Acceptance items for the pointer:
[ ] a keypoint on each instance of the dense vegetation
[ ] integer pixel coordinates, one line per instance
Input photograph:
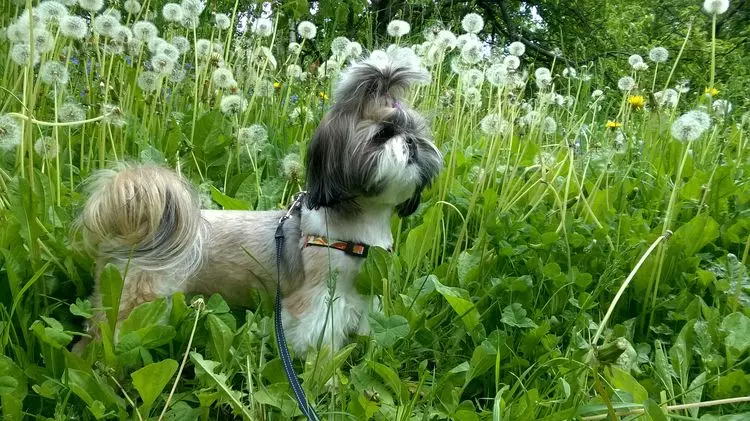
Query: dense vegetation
(583, 255)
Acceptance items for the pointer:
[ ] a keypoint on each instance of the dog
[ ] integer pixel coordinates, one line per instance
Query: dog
(370, 157)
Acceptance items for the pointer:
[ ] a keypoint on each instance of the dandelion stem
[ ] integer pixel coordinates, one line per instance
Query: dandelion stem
(54, 124)
(713, 52)
(679, 54)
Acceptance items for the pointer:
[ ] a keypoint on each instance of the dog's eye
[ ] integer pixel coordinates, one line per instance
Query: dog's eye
(384, 134)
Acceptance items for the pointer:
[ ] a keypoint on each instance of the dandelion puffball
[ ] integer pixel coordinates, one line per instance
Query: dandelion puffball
(516, 48)
(626, 83)
(690, 126)
(472, 23)
(658, 54)
(307, 29)
(398, 28)
(715, 6)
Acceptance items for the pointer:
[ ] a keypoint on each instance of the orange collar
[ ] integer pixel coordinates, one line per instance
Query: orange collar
(349, 247)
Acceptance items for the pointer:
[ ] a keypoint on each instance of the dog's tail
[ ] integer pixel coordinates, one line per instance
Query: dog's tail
(378, 80)
(143, 216)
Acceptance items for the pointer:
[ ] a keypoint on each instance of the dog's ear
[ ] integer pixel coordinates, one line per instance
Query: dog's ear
(410, 206)
(327, 179)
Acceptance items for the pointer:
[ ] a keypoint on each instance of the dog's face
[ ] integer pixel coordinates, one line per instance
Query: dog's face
(371, 147)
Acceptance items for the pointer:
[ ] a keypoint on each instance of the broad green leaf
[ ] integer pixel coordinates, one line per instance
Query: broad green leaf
(205, 368)
(468, 267)
(145, 315)
(662, 368)
(390, 377)
(13, 389)
(54, 335)
(82, 308)
(110, 283)
(226, 202)
(374, 270)
(737, 326)
(459, 300)
(221, 338)
(388, 330)
(150, 380)
(654, 410)
(515, 315)
(695, 234)
(695, 393)
(623, 380)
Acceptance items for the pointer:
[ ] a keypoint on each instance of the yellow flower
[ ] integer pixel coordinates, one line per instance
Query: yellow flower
(323, 95)
(613, 124)
(712, 91)
(636, 101)
(276, 85)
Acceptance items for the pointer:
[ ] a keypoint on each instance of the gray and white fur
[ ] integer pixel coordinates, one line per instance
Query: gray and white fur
(370, 156)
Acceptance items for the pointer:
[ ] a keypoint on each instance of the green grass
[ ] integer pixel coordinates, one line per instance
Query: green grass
(499, 299)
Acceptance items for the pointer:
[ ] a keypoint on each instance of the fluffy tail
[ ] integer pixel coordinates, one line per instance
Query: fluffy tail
(378, 81)
(144, 216)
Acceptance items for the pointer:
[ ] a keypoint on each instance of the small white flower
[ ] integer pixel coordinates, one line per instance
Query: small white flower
(512, 62)
(53, 73)
(145, 31)
(473, 77)
(131, 7)
(46, 147)
(398, 28)
(715, 6)
(690, 126)
(292, 167)
(91, 5)
(10, 132)
(253, 137)
(722, 107)
(472, 23)
(516, 48)
(73, 27)
(233, 104)
(658, 54)
(172, 12)
(626, 83)
(148, 81)
(222, 21)
(635, 59)
(70, 112)
(263, 27)
(493, 124)
(223, 78)
(472, 52)
(307, 29)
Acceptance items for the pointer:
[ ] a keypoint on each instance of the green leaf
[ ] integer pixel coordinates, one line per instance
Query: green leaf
(82, 308)
(110, 283)
(13, 389)
(654, 410)
(623, 380)
(205, 369)
(663, 370)
(150, 380)
(388, 330)
(377, 267)
(54, 335)
(737, 325)
(145, 315)
(459, 300)
(696, 234)
(221, 338)
(226, 202)
(515, 315)
(695, 393)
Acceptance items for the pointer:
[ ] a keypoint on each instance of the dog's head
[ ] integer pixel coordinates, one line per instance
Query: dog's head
(371, 145)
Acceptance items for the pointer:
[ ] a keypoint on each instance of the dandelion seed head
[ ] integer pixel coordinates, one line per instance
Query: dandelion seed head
(701, 117)
(192, 8)
(339, 46)
(626, 83)
(329, 68)
(293, 71)
(114, 13)
(190, 22)
(722, 107)
(398, 28)
(169, 50)
(113, 115)
(91, 5)
(222, 21)
(667, 98)
(178, 75)
(20, 54)
(658, 54)
(497, 75)
(52, 12)
(569, 72)
(462, 39)
(70, 112)
(549, 125)
(512, 62)
(122, 34)
(17, 32)
(472, 52)
(516, 48)
(53, 73)
(291, 167)
(155, 44)
(145, 31)
(493, 124)
(640, 67)
(543, 80)
(203, 48)
(46, 147)
(597, 93)
(307, 29)
(473, 77)
(354, 49)
(172, 12)
(430, 31)
(687, 128)
(253, 137)
(472, 23)
(294, 48)
(263, 27)
(472, 97)
(43, 40)
(131, 7)
(162, 64)
(74, 27)
(104, 25)
(682, 86)
(10, 133)
(717, 7)
(233, 104)
(182, 44)
(635, 59)
(223, 78)
(148, 81)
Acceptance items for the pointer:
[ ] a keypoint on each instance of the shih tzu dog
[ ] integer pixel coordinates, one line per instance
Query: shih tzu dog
(371, 156)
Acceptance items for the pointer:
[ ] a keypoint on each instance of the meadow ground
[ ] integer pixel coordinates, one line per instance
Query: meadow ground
(584, 252)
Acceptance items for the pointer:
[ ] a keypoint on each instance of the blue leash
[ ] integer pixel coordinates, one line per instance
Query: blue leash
(286, 359)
